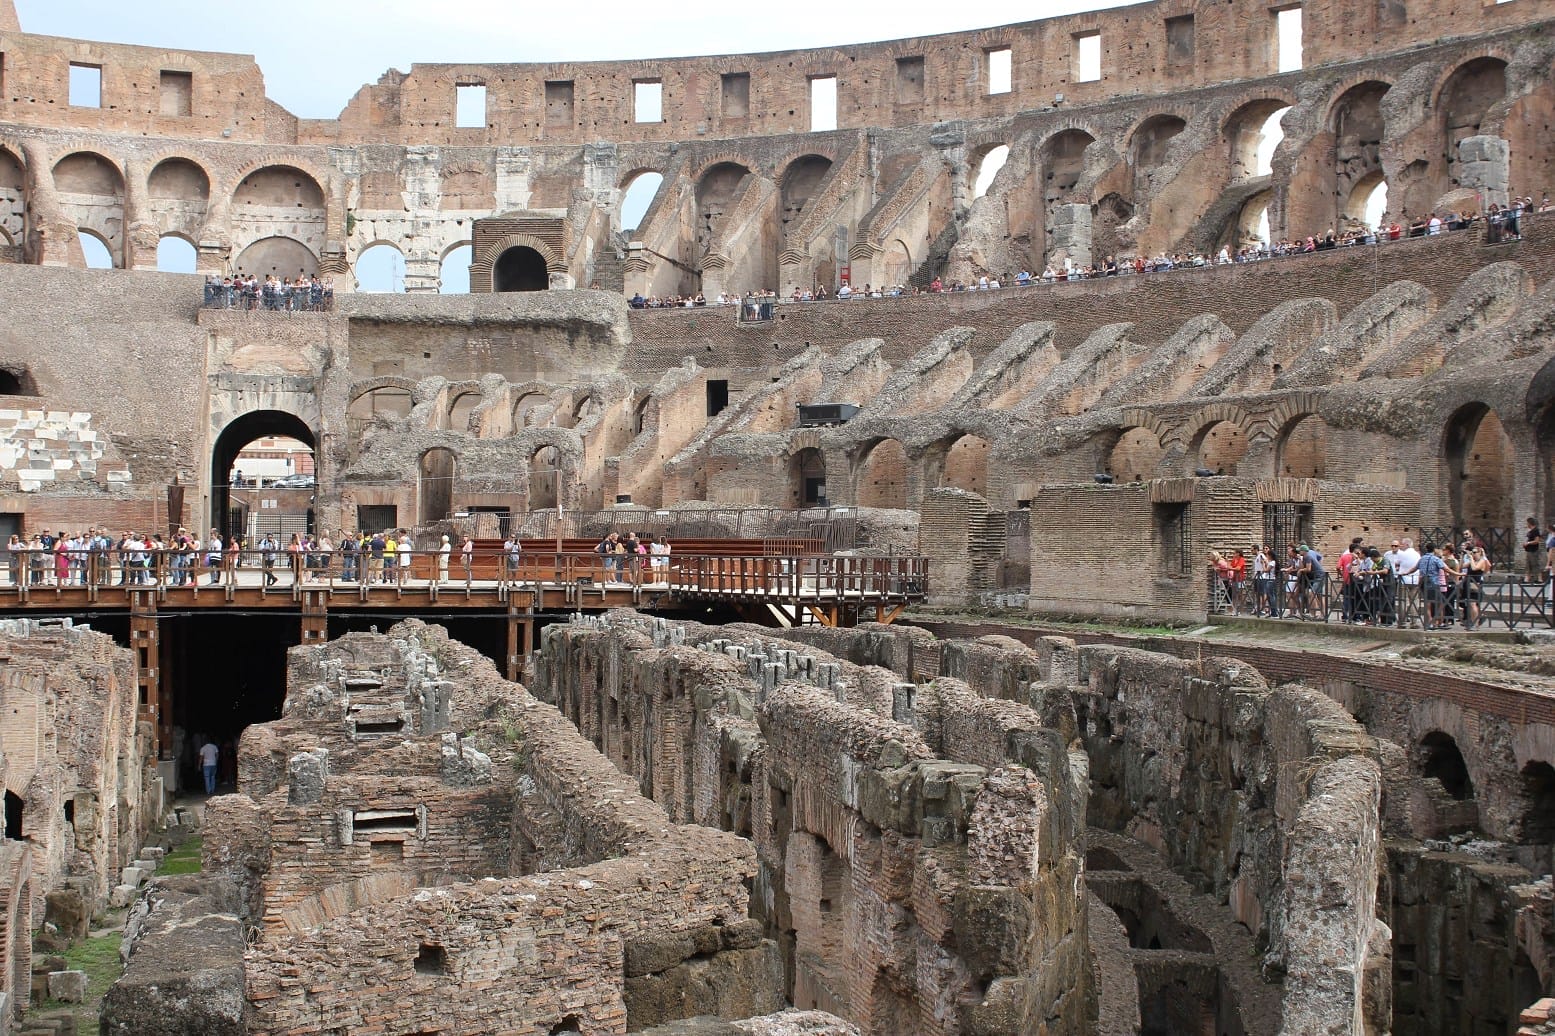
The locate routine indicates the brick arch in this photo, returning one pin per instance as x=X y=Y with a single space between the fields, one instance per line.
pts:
x=483 y=264
x=1202 y=419
x=359 y=389
x=1138 y=417
x=116 y=165
x=783 y=165
x=1286 y=411
x=719 y=158
x=1338 y=90
x=1186 y=112
x=1499 y=53
x=806 y=439
x=285 y=158
x=14 y=146
x=629 y=177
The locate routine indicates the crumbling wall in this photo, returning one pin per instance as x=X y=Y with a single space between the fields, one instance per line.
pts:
x=919 y=852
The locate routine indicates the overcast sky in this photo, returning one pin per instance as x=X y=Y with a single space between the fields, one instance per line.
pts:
x=316 y=55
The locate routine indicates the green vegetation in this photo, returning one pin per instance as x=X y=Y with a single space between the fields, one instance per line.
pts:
x=183 y=860
x=98 y=956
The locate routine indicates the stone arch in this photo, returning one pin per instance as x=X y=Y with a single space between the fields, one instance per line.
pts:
x=1136 y=456
x=484 y=262
x=462 y=408
x=1251 y=223
x=1477 y=469
x=715 y=192
x=280 y=256
x=1359 y=200
x=231 y=441
x=176 y=253
x=545 y=477
x=13 y=194
x=453 y=276
x=798 y=183
x=1301 y=448
x=90 y=173
x=807 y=477
x=965 y=464
x=274 y=186
x=1218 y=447
x=1466 y=96
x=639 y=189
x=897 y=264
x=1442 y=760
x=984 y=164
x=880 y=478
x=379 y=268
x=525 y=405
x=88 y=254
x=368 y=388
x=1355 y=119
x=1537 y=824
x=1063 y=162
x=1244 y=131
x=91 y=194
x=436 y=470
x=179 y=179
x=1148 y=145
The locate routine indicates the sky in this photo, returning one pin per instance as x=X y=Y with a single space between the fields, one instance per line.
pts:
x=315 y=57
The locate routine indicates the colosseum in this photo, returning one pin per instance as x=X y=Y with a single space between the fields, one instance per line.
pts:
x=1036 y=530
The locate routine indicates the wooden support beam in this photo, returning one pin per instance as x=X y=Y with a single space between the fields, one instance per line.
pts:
x=145 y=641
x=887 y=616
x=315 y=616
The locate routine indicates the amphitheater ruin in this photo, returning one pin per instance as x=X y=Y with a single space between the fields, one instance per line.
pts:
x=935 y=720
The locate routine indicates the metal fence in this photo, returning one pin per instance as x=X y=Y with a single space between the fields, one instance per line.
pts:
x=1378 y=599
x=276 y=297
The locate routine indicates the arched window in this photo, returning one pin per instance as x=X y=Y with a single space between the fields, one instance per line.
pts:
x=175 y=255
x=989 y=168
x=638 y=197
x=520 y=268
x=380 y=268
x=96 y=252
x=454 y=275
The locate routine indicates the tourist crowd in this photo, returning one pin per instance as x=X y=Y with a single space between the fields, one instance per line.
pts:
x=304 y=294
x=1436 y=585
x=98 y=557
x=1501 y=224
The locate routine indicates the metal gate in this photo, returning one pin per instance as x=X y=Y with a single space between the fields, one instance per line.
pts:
x=1286 y=526
x=1015 y=566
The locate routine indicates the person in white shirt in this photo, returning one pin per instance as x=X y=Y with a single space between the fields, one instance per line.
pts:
x=209 y=756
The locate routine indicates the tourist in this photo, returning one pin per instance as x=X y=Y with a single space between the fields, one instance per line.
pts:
x=467 y=555
x=443 y=550
x=1473 y=590
x=403 y=555
x=659 y=549
x=1533 y=552
x=210 y=756
x=15 y=553
x=350 y=552
x=267 y=548
x=1264 y=570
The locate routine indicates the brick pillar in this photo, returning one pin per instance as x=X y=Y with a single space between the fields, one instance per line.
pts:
x=141 y=234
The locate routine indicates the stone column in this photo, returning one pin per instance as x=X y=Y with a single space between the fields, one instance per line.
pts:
x=1483 y=165
x=50 y=237
x=141 y=233
x=1069 y=233
x=333 y=259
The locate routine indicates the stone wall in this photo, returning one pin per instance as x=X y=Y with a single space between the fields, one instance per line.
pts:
x=867 y=799
x=413 y=822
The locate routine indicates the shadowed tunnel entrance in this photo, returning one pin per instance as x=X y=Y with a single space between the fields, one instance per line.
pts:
x=520 y=268
x=233 y=440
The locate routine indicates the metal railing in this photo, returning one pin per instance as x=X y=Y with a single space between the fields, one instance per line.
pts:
x=790 y=577
x=1378 y=599
x=279 y=298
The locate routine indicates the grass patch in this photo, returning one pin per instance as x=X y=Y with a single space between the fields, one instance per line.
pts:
x=183 y=860
x=99 y=958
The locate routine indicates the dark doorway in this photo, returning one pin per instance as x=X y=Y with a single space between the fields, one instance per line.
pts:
x=233 y=439
x=224 y=673
x=10 y=525
x=717 y=396
x=1443 y=760
x=13 y=816
x=520 y=268
x=377 y=517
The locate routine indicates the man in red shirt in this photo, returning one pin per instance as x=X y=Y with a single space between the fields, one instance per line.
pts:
x=1347 y=586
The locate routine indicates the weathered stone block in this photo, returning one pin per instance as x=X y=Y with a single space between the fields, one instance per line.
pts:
x=67 y=986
